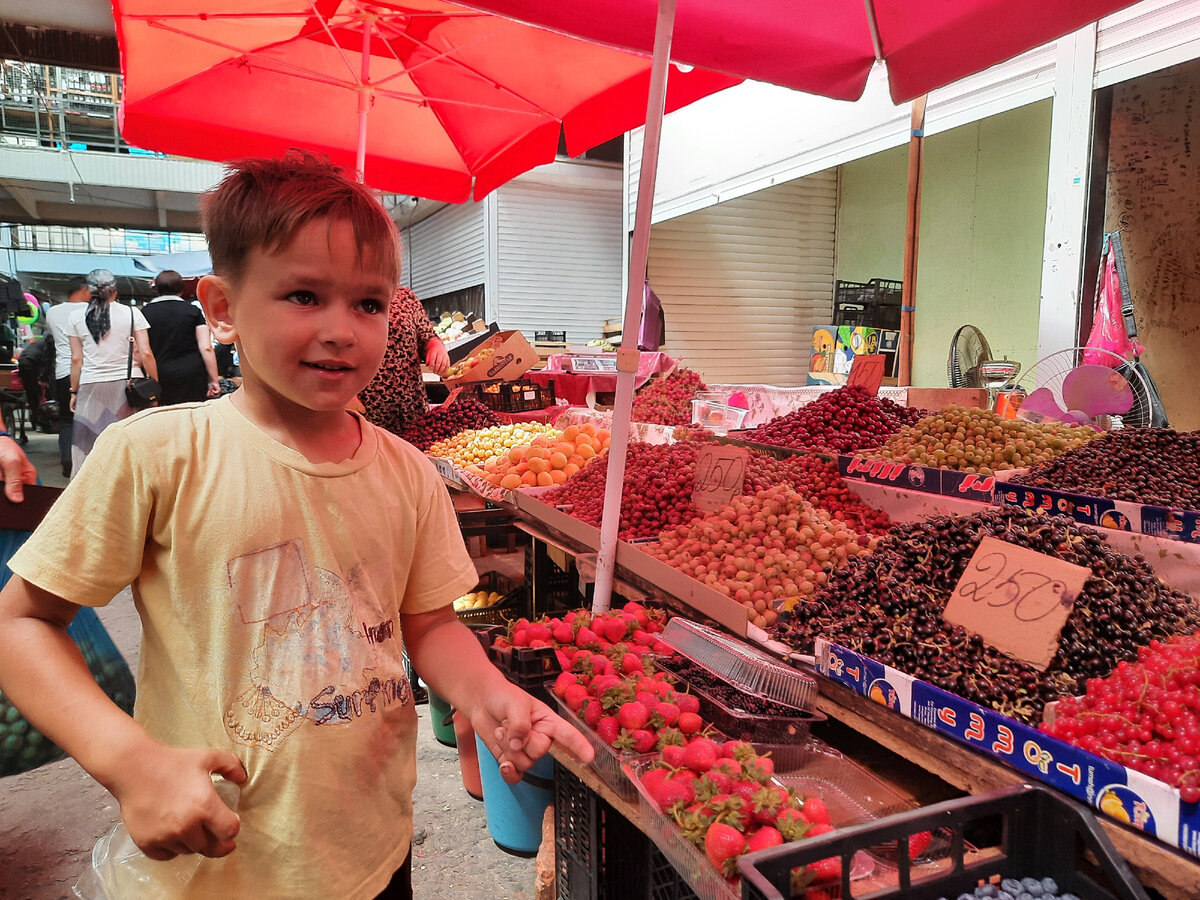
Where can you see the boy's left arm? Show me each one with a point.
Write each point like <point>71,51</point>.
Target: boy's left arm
<point>516,727</point>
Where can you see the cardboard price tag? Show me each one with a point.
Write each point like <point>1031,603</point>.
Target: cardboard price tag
<point>446,469</point>
<point>867,370</point>
<point>720,473</point>
<point>1016,599</point>
<point>452,396</point>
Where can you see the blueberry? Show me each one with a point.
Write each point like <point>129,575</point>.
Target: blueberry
<point>1050,886</point>
<point>1004,895</point>
<point>1012,885</point>
<point>1024,895</point>
<point>1030,883</point>
<point>966,897</point>
<point>1036,889</point>
<point>985,890</point>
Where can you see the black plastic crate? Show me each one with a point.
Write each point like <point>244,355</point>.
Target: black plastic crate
<point>513,602</point>
<point>556,337</point>
<point>1040,834</point>
<point>516,396</point>
<point>551,589</point>
<point>529,668</point>
<point>869,304</point>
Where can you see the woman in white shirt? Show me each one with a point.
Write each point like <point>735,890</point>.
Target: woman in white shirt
<point>99,334</point>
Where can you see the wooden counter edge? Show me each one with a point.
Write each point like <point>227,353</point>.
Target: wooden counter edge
<point>585,773</point>
<point>1166,869</point>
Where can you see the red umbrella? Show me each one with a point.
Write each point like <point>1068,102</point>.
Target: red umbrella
<point>459,100</point>
<point>826,47</point>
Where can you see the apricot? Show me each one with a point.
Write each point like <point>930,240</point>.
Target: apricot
<point>586,451</point>
<point>510,482</point>
<point>570,469</point>
<point>558,476</point>
<point>544,479</point>
<point>557,460</point>
<point>570,433</point>
<point>539,465</point>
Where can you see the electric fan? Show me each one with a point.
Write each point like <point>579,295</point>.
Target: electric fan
<point>971,365</point>
<point>1058,388</point>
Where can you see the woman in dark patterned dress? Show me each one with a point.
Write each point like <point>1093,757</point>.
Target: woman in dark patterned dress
<point>395,399</point>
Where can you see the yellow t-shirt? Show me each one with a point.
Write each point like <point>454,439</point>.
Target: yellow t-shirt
<point>268,588</point>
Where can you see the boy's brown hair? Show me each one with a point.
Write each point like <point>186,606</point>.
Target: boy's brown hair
<point>264,202</point>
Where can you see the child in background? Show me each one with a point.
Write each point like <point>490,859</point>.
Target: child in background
<point>278,547</point>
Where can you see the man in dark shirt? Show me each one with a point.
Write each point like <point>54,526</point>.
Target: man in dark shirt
<point>179,337</point>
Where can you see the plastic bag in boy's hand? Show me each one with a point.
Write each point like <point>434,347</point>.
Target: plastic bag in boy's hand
<point>120,870</point>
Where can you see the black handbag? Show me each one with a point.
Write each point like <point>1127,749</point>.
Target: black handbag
<point>140,392</point>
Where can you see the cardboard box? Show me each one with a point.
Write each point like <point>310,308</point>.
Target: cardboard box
<point>947,482</point>
<point>511,357</point>
<point>1120,515</point>
<point>937,399</point>
<point>1128,796</point>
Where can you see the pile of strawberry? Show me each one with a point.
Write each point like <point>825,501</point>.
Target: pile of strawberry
<point>611,642</point>
<point>725,800</point>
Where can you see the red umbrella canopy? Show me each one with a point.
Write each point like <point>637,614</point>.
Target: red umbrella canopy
<point>826,47</point>
<point>459,101</point>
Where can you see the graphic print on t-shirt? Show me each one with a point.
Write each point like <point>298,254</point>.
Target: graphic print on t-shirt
<point>320,646</point>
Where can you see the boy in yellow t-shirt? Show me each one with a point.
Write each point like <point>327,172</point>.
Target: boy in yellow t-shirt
<point>278,547</point>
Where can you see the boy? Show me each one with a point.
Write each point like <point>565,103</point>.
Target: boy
<point>278,548</point>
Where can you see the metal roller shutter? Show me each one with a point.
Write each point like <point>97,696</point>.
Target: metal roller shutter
<point>1144,38</point>
<point>743,283</point>
<point>447,251</point>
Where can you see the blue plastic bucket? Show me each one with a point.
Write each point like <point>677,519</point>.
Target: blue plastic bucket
<point>515,811</point>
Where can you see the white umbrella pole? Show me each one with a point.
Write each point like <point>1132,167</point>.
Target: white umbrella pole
<point>364,102</point>
<point>629,355</point>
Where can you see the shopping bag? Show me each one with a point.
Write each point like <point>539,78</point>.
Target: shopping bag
<point>23,747</point>
<point>1108,325</point>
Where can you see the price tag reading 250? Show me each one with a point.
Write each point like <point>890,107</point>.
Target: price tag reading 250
<point>720,473</point>
<point>1016,599</point>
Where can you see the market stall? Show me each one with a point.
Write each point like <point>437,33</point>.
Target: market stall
<point>855,486</point>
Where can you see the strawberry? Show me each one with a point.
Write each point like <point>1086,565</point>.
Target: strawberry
<point>722,845</point>
<point>633,715</point>
<point>647,699</point>
<point>720,779</point>
<point>687,703</point>
<point>644,639</point>
<point>791,825</point>
<point>668,737</point>
<point>689,722</point>
<point>825,869</point>
<point>635,609</point>
<point>613,629</point>
<point>662,649</point>
<point>815,811</point>
<point>918,843</point>
<point>643,740</point>
<point>609,729</point>
<point>585,637</point>
<point>574,697</point>
<point>565,659</point>
<point>768,801</point>
<point>819,829</point>
<point>539,632</point>
<point>672,755</point>
<point>700,755</point>
<point>592,711</point>
<point>668,712</point>
<point>520,637</point>
<point>564,681</point>
<point>759,769</point>
<point>672,792</point>
<point>563,633</point>
<point>739,750</point>
<point>762,838</point>
<point>602,683</point>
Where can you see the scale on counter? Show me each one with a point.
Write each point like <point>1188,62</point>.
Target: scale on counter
<point>592,365</point>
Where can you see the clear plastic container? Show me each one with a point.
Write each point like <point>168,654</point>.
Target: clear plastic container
<point>689,861</point>
<point>746,668</point>
<point>607,762</point>
<point>716,416</point>
<point>119,870</point>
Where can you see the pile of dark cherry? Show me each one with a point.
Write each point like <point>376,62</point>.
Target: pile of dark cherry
<point>888,605</point>
<point>444,422</point>
<point>840,421</point>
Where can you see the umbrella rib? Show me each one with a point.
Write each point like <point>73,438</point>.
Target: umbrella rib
<point>332,40</point>
<point>873,26</point>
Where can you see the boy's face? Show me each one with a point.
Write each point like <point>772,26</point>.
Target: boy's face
<point>310,321</point>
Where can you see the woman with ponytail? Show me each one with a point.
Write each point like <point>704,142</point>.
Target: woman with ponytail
<point>100,337</point>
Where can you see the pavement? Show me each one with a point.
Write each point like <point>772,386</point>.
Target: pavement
<point>51,817</point>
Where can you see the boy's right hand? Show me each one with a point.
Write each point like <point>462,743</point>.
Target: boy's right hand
<point>170,806</point>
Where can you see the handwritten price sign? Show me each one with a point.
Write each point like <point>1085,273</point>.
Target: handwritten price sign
<point>1016,599</point>
<point>867,370</point>
<point>720,472</point>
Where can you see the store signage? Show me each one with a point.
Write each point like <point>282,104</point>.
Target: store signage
<point>720,473</point>
<point>867,371</point>
<point>1016,599</point>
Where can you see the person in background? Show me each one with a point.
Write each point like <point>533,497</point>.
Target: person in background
<point>35,364</point>
<point>272,649</point>
<point>100,334</point>
<point>395,398</point>
<point>57,318</point>
<point>15,468</point>
<point>182,344</point>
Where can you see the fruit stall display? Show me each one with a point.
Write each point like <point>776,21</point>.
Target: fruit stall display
<point>841,421</point>
<point>979,440</point>
<point>667,399</point>
<point>444,422</point>
<point>888,605</point>
<point>1154,466</point>
<point>476,446</point>
<point>547,460</point>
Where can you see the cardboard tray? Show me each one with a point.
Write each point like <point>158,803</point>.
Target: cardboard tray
<point>513,357</point>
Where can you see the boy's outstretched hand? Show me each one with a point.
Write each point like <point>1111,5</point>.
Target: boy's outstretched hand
<point>169,803</point>
<point>519,729</point>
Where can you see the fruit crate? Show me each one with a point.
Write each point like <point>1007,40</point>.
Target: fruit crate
<point>513,602</point>
<point>690,862</point>
<point>872,304</point>
<point>551,588</point>
<point>785,737</point>
<point>1042,835</point>
<point>608,763</point>
<point>516,396</point>
<point>529,668</point>
<point>556,337</point>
